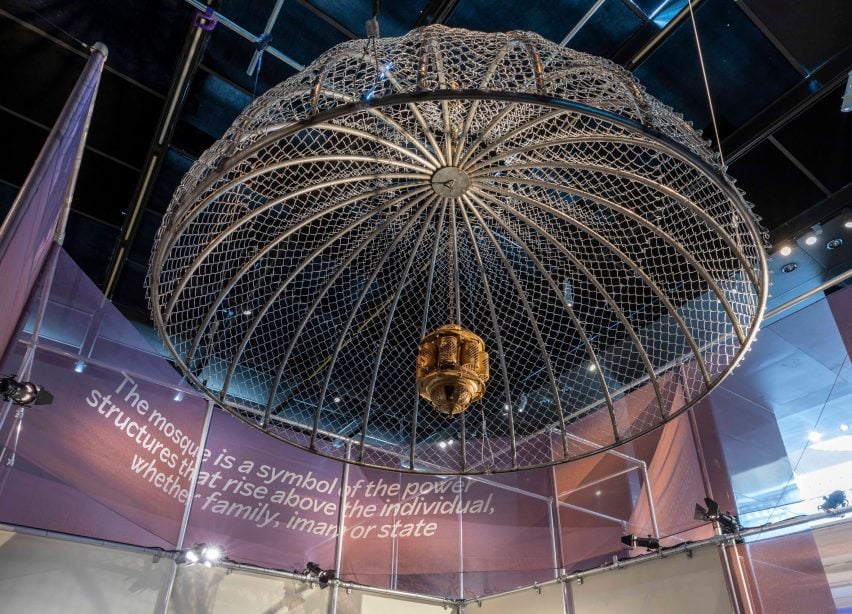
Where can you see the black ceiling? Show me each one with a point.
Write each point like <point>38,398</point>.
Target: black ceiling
<point>776,68</point>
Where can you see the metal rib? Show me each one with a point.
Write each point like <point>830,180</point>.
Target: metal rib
<point>426,301</point>
<point>471,160</point>
<point>309,312</point>
<point>619,314</point>
<point>195,203</point>
<point>427,131</point>
<point>673,194</point>
<point>454,290</point>
<point>573,190</point>
<point>347,99</point>
<point>388,322</point>
<point>539,339</point>
<point>263,311</point>
<point>211,247</point>
<point>280,239</point>
<point>624,258</point>
<point>474,106</point>
<point>498,337</point>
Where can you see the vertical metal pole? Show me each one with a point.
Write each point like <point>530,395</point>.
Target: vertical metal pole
<point>717,530</point>
<point>29,355</point>
<point>59,234</point>
<point>461,538</point>
<point>341,527</point>
<point>552,537</point>
<point>644,467</point>
<point>187,510</point>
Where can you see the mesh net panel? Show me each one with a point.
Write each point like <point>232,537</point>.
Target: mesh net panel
<point>595,245</point>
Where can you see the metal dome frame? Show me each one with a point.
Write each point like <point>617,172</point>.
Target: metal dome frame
<point>475,203</point>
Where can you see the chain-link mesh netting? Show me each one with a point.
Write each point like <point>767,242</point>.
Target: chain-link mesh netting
<point>583,230</point>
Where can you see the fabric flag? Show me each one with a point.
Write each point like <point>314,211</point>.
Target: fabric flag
<point>39,212</point>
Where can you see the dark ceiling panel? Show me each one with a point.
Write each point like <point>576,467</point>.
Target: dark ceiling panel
<point>821,139</point>
<point>302,35</point>
<point>811,31</point>
<point>212,104</point>
<point>229,55</point>
<point>90,244</point>
<point>127,111</point>
<point>395,17</point>
<point>552,19</point>
<point>39,75</point>
<point>745,71</point>
<point>143,242</point>
<point>130,291</point>
<point>38,94</point>
<point>144,37</point>
<point>611,25</point>
<point>7,197</point>
<point>104,188</point>
<point>175,166</point>
<point>25,140</point>
<point>777,188</point>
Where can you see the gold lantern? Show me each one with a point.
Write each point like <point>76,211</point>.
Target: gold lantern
<point>452,369</point>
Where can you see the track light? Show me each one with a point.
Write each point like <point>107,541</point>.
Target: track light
<point>23,393</point>
<point>632,541</point>
<point>200,553</point>
<point>323,576</point>
<point>728,523</point>
<point>813,236</point>
<point>834,501</point>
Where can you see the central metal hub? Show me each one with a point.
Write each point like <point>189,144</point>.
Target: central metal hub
<point>450,182</point>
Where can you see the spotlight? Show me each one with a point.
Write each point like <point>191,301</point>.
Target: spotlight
<point>632,541</point>
<point>814,436</point>
<point>844,427</point>
<point>443,444</point>
<point>592,367</point>
<point>200,553</point>
<point>834,501</point>
<point>79,366</point>
<point>23,393</point>
<point>247,312</point>
<point>848,223</point>
<point>834,244</point>
<point>728,523</point>
<point>785,250</point>
<point>813,236</point>
<point>212,554</point>
<point>337,399</point>
<point>789,267</point>
<point>323,576</point>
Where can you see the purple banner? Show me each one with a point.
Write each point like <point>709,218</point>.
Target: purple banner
<point>263,501</point>
<point>113,455</point>
<point>28,231</point>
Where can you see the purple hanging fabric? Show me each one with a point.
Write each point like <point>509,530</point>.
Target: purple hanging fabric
<point>40,210</point>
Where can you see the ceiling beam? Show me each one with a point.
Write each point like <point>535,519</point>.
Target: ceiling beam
<point>193,50</point>
<point>436,11</point>
<point>789,105</point>
<point>637,56</point>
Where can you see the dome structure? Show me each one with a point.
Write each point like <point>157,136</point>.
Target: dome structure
<point>535,196</point>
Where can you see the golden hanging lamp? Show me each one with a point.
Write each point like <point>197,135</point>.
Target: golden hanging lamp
<point>452,369</point>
